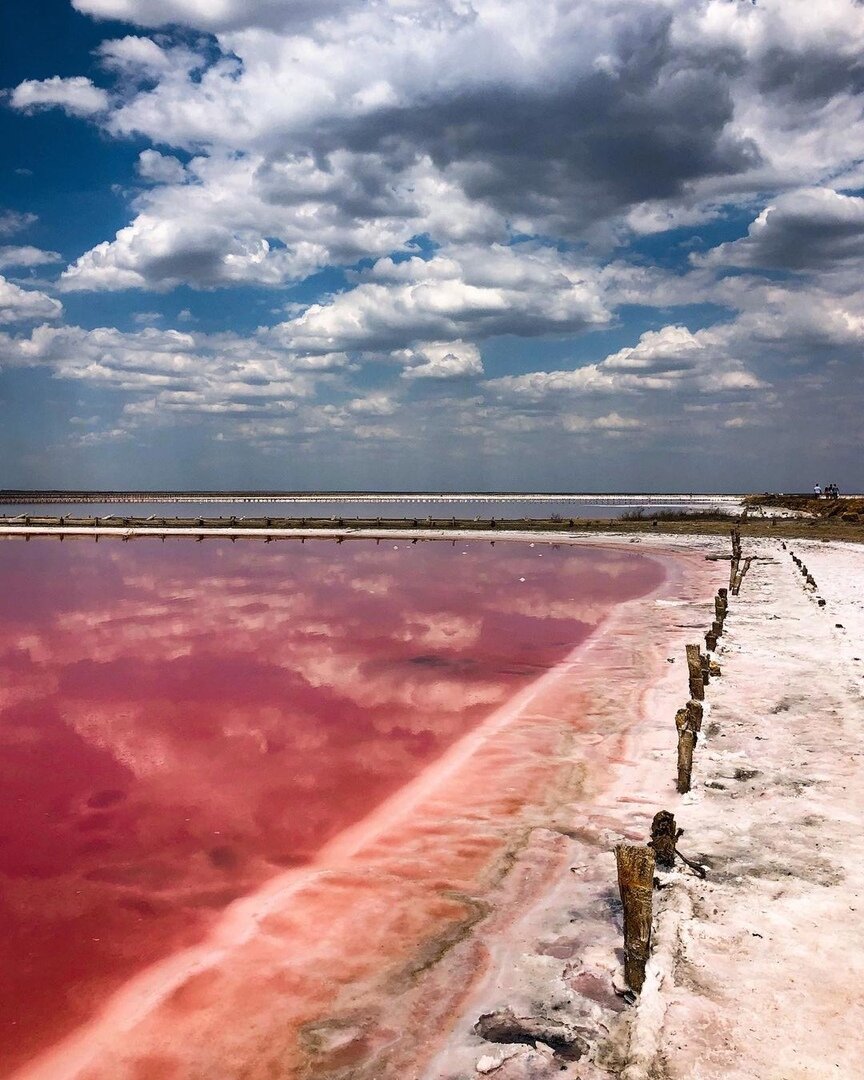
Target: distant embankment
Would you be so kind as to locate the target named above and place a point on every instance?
(849, 508)
(13, 497)
(423, 527)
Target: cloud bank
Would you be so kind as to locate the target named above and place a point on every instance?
(480, 175)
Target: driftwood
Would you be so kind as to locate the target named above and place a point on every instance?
(694, 671)
(506, 1027)
(635, 883)
(663, 837)
(697, 867)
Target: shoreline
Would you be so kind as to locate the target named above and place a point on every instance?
(570, 530)
(564, 949)
(148, 991)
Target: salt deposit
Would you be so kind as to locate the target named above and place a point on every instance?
(756, 971)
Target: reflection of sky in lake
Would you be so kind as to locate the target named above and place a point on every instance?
(181, 722)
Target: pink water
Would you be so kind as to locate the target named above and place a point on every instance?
(181, 722)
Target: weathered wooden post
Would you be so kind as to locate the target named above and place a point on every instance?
(694, 670)
(635, 883)
(721, 607)
(686, 745)
(695, 712)
(663, 837)
(739, 578)
(736, 558)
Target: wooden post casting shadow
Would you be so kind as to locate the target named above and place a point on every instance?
(635, 883)
(686, 725)
(694, 671)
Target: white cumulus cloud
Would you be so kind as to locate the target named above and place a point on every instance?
(24, 305)
(77, 96)
(27, 256)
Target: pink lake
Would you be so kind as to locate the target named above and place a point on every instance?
(181, 722)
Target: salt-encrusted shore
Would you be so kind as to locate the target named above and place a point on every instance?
(764, 975)
(757, 970)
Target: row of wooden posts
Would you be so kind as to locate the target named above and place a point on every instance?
(738, 567)
(805, 573)
(637, 862)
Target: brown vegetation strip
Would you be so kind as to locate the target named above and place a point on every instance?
(821, 528)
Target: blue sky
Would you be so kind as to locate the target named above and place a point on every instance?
(446, 243)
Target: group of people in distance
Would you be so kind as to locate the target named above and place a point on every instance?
(831, 491)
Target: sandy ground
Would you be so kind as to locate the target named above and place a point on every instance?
(757, 970)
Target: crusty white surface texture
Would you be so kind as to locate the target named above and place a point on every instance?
(757, 971)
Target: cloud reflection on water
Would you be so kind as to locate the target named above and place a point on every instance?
(179, 723)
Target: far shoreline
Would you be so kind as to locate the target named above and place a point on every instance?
(428, 528)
